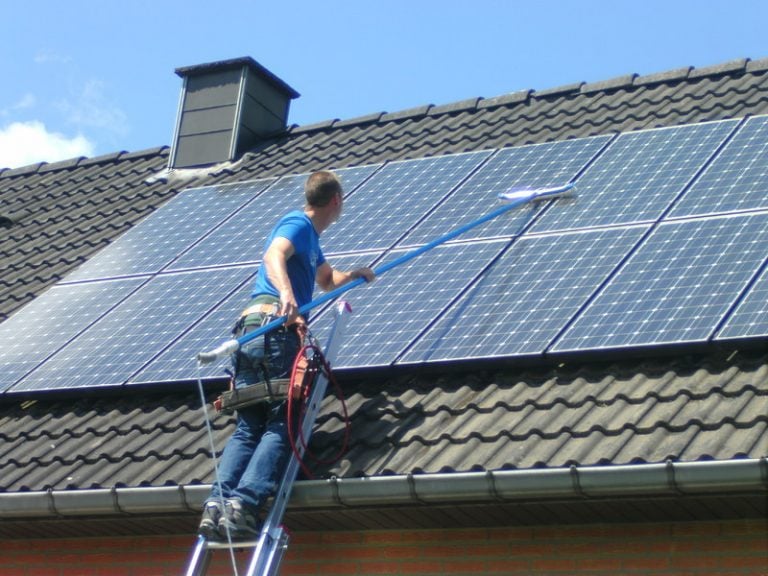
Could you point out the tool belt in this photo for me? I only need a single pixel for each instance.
(237, 398)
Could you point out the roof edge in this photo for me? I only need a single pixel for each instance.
(576, 482)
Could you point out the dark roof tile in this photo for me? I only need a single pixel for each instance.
(738, 65)
(663, 77)
(607, 85)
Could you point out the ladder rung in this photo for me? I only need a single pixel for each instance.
(220, 545)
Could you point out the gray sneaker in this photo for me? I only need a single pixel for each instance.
(209, 522)
(238, 521)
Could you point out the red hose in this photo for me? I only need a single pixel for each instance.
(302, 410)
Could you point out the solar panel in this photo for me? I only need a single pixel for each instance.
(164, 234)
(241, 238)
(535, 166)
(738, 177)
(179, 361)
(522, 302)
(676, 287)
(750, 318)
(637, 177)
(391, 312)
(394, 199)
(122, 342)
(36, 331)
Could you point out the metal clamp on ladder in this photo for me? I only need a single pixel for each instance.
(269, 549)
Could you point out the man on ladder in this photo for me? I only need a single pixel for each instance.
(254, 457)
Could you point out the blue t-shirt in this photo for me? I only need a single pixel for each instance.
(302, 266)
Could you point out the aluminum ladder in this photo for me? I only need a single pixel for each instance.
(270, 547)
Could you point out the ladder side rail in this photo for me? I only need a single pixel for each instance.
(200, 559)
(272, 534)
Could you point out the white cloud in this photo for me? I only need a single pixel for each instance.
(23, 143)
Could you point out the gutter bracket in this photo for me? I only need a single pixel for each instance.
(576, 482)
(492, 489)
(412, 489)
(334, 481)
(116, 501)
(52, 504)
(671, 480)
(185, 500)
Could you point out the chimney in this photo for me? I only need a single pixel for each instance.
(226, 108)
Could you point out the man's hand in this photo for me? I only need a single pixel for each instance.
(364, 272)
(289, 308)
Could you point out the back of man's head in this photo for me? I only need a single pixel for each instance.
(321, 187)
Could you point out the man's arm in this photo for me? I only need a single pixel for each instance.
(329, 278)
(276, 261)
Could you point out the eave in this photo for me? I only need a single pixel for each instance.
(733, 488)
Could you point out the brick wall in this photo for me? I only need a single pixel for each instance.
(704, 548)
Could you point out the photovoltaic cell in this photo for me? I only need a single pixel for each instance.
(241, 238)
(520, 304)
(737, 179)
(394, 199)
(750, 318)
(390, 313)
(167, 232)
(44, 325)
(637, 177)
(676, 287)
(138, 329)
(535, 166)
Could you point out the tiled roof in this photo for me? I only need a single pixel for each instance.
(680, 408)
(687, 409)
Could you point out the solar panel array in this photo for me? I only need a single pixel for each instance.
(666, 244)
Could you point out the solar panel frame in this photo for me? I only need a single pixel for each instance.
(119, 344)
(411, 188)
(51, 320)
(526, 298)
(676, 287)
(533, 166)
(638, 177)
(162, 236)
(240, 240)
(736, 180)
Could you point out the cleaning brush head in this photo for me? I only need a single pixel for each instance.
(538, 194)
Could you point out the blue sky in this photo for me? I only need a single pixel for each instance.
(91, 77)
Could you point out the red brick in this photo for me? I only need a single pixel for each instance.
(338, 568)
(605, 564)
(426, 567)
(371, 568)
(641, 563)
(553, 564)
(508, 565)
(300, 569)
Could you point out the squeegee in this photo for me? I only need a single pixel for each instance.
(512, 198)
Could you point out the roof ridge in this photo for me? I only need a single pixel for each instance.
(741, 65)
(78, 161)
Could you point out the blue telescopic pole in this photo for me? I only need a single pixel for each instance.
(513, 199)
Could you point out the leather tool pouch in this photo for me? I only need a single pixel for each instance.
(237, 398)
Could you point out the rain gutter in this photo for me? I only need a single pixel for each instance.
(576, 482)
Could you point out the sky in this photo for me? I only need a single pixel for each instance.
(93, 77)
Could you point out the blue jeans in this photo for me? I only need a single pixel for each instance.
(257, 452)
